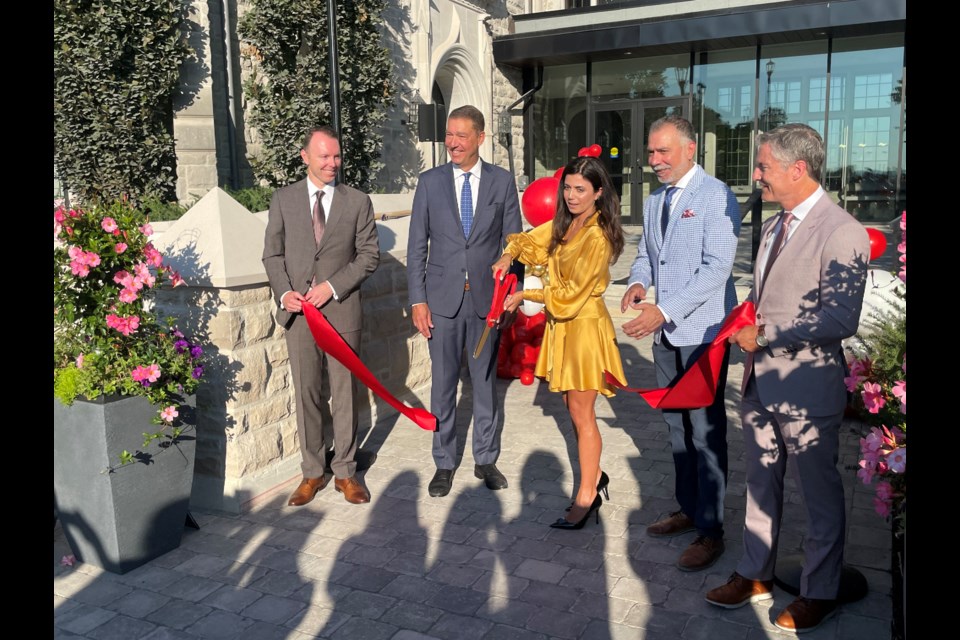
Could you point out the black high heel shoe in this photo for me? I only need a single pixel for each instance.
(594, 510)
(601, 488)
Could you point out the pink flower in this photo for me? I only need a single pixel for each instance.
(75, 253)
(120, 247)
(882, 507)
(900, 392)
(80, 361)
(903, 221)
(154, 257)
(866, 472)
(897, 460)
(109, 225)
(68, 561)
(884, 490)
(146, 375)
(873, 398)
(79, 268)
(153, 372)
(128, 295)
(168, 414)
(92, 258)
(126, 326)
(853, 382)
(176, 280)
(147, 229)
(58, 215)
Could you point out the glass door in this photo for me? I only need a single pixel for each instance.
(621, 130)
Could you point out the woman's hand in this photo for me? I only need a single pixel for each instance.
(501, 266)
(512, 302)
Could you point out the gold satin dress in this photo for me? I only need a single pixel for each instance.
(579, 341)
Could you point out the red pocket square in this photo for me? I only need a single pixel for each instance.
(688, 213)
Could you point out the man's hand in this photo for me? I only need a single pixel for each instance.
(746, 339)
(320, 294)
(292, 301)
(647, 322)
(502, 266)
(633, 297)
(422, 319)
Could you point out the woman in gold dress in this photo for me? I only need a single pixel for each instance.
(579, 342)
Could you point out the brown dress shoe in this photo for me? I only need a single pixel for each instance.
(701, 553)
(805, 614)
(307, 489)
(673, 525)
(740, 591)
(352, 490)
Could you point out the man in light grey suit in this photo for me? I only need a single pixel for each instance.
(462, 213)
(690, 230)
(809, 280)
(320, 245)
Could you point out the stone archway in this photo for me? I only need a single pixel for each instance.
(461, 82)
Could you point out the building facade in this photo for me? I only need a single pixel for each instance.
(602, 71)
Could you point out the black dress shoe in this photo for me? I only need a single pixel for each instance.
(491, 476)
(601, 488)
(441, 483)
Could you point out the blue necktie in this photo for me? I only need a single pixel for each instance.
(466, 206)
(665, 213)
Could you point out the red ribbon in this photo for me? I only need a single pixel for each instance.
(332, 343)
(697, 387)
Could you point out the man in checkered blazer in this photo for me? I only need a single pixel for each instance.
(690, 231)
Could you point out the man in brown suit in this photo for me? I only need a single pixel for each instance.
(320, 245)
(809, 279)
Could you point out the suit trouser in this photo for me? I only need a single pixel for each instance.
(450, 337)
(698, 438)
(810, 445)
(307, 363)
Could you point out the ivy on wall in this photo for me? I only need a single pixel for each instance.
(289, 87)
(115, 74)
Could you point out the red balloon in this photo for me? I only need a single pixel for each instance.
(539, 201)
(878, 243)
(558, 173)
(530, 354)
(584, 151)
(594, 151)
(526, 377)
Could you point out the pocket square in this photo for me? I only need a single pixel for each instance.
(688, 213)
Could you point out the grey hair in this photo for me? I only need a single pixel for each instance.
(682, 125)
(795, 141)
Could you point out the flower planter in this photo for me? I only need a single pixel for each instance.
(120, 519)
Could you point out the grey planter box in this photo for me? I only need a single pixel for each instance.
(122, 519)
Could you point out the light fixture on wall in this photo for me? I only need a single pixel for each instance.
(771, 65)
(413, 109)
(701, 143)
(504, 124)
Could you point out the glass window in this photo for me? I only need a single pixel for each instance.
(724, 113)
(559, 117)
(863, 139)
(656, 77)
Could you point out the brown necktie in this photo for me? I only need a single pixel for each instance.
(785, 219)
(319, 218)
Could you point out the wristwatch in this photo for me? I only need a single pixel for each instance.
(762, 341)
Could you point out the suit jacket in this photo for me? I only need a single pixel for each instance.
(811, 300)
(348, 253)
(439, 257)
(691, 265)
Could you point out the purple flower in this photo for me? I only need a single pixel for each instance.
(196, 351)
(181, 345)
(197, 372)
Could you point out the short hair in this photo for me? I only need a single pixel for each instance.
(682, 125)
(330, 132)
(469, 112)
(795, 141)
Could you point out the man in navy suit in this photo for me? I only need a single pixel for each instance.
(463, 212)
(690, 230)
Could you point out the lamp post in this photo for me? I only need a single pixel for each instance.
(770, 67)
(701, 146)
(682, 74)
